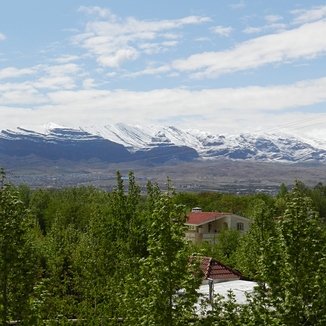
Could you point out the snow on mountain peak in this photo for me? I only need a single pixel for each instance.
(276, 147)
(50, 126)
(38, 129)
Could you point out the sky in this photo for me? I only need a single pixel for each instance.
(218, 66)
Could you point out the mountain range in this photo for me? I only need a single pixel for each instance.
(155, 145)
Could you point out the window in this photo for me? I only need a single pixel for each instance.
(225, 225)
(240, 226)
(191, 227)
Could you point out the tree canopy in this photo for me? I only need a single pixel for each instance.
(107, 257)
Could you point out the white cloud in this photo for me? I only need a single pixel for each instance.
(214, 109)
(55, 82)
(172, 36)
(20, 94)
(59, 70)
(271, 25)
(66, 58)
(12, 72)
(273, 18)
(151, 48)
(49, 92)
(111, 74)
(202, 39)
(304, 42)
(120, 56)
(101, 12)
(114, 41)
(57, 76)
(45, 76)
(306, 16)
(189, 20)
(238, 5)
(169, 43)
(150, 71)
(256, 30)
(224, 31)
(217, 108)
(173, 74)
(253, 30)
(89, 83)
(2, 37)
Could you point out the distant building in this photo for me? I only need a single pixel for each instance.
(205, 226)
(220, 279)
(214, 270)
(239, 289)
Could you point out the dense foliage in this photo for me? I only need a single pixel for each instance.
(106, 258)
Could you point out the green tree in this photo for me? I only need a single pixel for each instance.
(223, 249)
(254, 243)
(291, 266)
(167, 280)
(282, 191)
(58, 252)
(107, 252)
(18, 265)
(226, 246)
(234, 204)
(95, 264)
(190, 200)
(318, 196)
(298, 291)
(280, 202)
(24, 194)
(38, 204)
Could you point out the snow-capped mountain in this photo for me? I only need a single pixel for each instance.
(256, 147)
(125, 143)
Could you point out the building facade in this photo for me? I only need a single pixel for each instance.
(205, 226)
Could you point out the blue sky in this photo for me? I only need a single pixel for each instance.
(220, 66)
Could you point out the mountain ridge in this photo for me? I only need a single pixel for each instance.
(157, 144)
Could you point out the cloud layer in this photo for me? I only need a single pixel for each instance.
(304, 42)
(195, 71)
(113, 41)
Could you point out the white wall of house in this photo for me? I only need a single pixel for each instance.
(209, 231)
(236, 222)
(215, 225)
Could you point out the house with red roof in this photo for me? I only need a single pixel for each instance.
(214, 270)
(205, 226)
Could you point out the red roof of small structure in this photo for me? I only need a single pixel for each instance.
(215, 270)
(197, 218)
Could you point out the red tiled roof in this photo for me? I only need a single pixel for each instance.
(215, 270)
(197, 218)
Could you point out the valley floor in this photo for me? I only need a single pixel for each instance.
(219, 175)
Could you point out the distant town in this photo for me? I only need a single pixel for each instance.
(108, 182)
